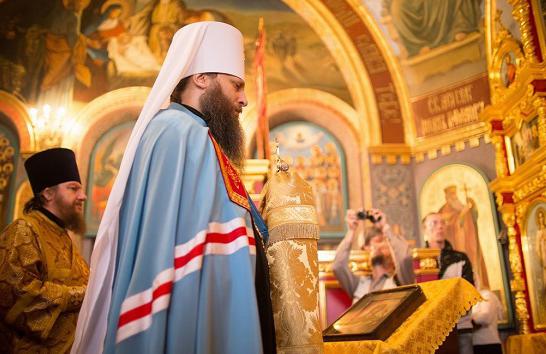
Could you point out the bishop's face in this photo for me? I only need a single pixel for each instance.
(222, 103)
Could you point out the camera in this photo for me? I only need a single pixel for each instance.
(362, 215)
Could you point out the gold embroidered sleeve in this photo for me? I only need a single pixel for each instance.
(27, 302)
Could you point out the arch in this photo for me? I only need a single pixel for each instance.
(322, 109)
(16, 110)
(103, 113)
(368, 66)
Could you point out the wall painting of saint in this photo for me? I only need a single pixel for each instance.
(103, 168)
(460, 193)
(534, 254)
(319, 159)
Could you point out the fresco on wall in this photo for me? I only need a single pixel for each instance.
(461, 194)
(435, 49)
(103, 168)
(440, 48)
(425, 25)
(8, 159)
(59, 50)
(319, 159)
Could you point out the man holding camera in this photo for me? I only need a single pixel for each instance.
(387, 252)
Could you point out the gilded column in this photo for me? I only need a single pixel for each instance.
(540, 105)
(521, 13)
(500, 155)
(518, 283)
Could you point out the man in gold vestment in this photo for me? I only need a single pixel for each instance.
(42, 275)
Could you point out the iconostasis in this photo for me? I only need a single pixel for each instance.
(517, 123)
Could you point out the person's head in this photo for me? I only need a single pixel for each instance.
(376, 244)
(212, 80)
(372, 236)
(221, 98)
(434, 229)
(450, 193)
(55, 182)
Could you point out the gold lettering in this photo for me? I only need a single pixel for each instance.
(345, 15)
(447, 101)
(434, 124)
(465, 115)
(387, 103)
(433, 105)
(463, 95)
(370, 54)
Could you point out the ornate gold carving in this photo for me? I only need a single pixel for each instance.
(6, 162)
(540, 105)
(428, 260)
(518, 283)
(500, 161)
(501, 31)
(533, 185)
(521, 13)
(359, 262)
(521, 210)
(500, 89)
(499, 198)
(521, 312)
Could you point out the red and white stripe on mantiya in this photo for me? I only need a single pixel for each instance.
(220, 239)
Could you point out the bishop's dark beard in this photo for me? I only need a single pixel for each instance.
(223, 121)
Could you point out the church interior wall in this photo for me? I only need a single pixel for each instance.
(393, 191)
(342, 65)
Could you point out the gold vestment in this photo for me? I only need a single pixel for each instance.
(42, 285)
(289, 212)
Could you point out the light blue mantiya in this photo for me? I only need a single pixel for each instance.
(174, 192)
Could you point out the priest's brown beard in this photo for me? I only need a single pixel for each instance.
(223, 121)
(73, 219)
(75, 222)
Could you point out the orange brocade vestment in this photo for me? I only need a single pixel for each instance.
(42, 285)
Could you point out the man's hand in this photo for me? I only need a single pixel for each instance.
(352, 220)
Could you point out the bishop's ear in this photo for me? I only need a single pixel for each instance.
(202, 81)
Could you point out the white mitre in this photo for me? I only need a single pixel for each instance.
(202, 47)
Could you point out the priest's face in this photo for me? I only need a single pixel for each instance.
(222, 103)
(67, 202)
